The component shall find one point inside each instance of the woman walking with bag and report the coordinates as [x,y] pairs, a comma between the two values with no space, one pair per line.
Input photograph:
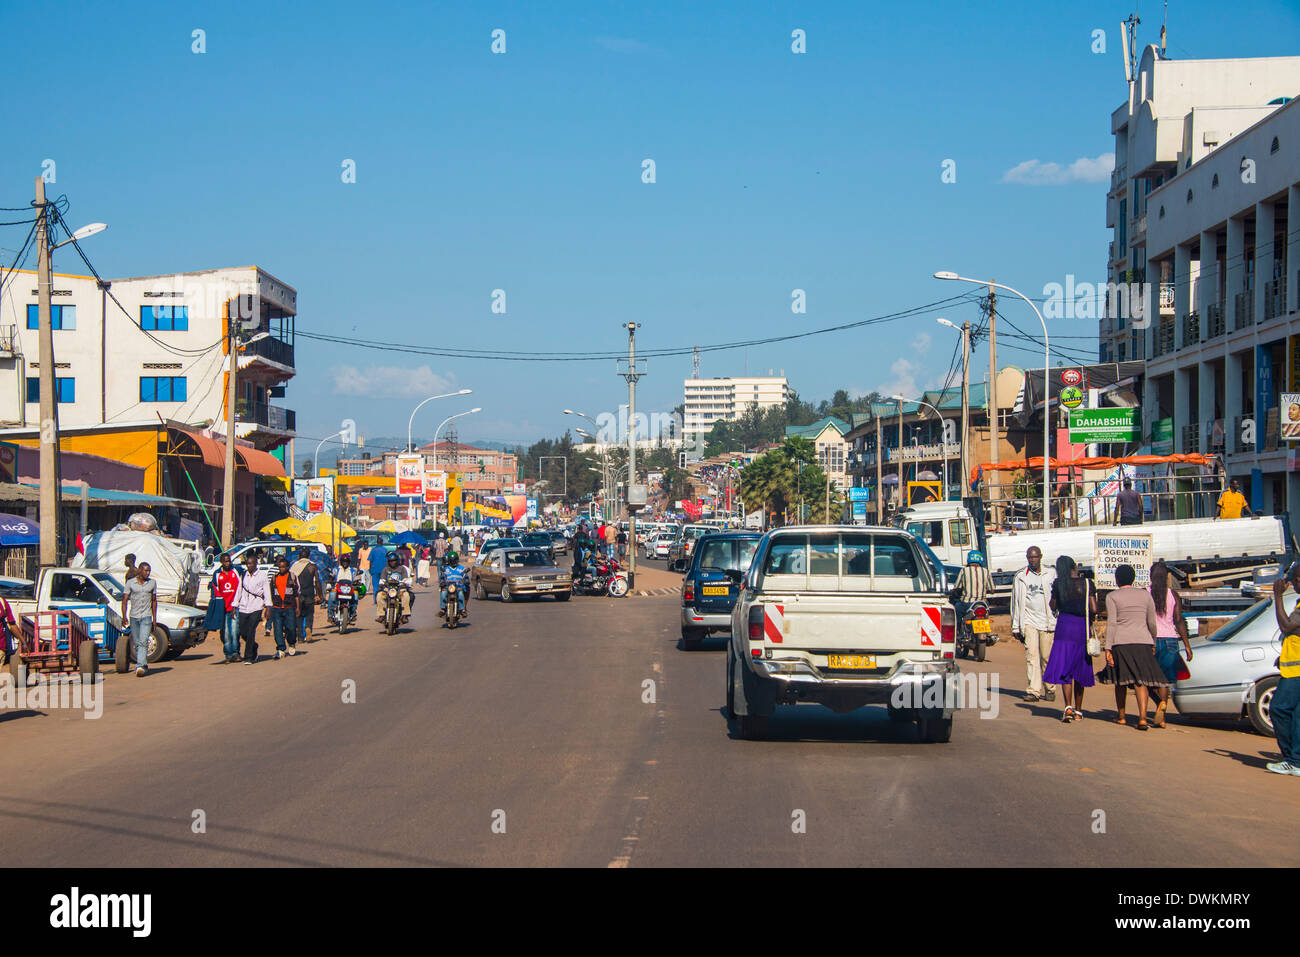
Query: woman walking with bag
[1075,605]
[1131,630]
[1171,627]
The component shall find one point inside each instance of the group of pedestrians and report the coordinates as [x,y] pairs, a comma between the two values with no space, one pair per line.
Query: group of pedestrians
[1054,611]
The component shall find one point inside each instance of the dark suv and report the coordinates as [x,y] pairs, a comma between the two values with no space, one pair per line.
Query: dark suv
[718,562]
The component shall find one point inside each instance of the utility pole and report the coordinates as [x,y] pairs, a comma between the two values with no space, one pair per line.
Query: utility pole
[991,393]
[901,492]
[880,486]
[228,489]
[51,480]
[965,408]
[631,375]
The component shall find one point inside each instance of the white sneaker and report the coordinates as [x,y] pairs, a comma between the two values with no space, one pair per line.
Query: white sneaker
[278,655]
[292,651]
[1283,767]
[139,673]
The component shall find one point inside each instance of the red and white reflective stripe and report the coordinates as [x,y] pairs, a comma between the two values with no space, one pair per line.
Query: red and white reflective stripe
[931,634]
[774,623]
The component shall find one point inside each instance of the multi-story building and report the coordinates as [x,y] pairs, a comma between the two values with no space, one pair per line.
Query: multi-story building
[711,400]
[1225,228]
[827,435]
[366,465]
[1177,113]
[162,353]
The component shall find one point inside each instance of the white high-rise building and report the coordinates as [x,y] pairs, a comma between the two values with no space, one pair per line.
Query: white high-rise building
[710,400]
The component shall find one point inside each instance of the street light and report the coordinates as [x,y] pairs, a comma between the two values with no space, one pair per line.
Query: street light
[942,439]
[435,450]
[315,459]
[409,424]
[1047,363]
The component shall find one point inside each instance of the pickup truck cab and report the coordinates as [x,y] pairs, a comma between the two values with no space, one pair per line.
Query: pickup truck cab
[679,552]
[177,627]
[843,616]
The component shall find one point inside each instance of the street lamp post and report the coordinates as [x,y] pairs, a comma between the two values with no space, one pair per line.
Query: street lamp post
[411,422]
[604,458]
[435,454]
[942,439]
[1047,363]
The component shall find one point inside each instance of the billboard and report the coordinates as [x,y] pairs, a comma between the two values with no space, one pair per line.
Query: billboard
[410,475]
[1105,426]
[314,496]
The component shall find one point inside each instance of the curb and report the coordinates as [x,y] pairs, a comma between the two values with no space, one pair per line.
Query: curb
[656,593]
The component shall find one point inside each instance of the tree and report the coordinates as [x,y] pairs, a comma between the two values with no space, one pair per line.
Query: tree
[781,480]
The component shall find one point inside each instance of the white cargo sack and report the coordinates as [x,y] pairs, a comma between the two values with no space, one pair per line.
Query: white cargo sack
[175,569]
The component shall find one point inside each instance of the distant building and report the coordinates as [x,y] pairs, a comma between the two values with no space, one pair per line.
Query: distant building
[482,470]
[827,435]
[711,400]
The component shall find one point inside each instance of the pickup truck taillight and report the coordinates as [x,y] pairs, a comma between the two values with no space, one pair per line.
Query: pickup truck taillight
[756,623]
[948,630]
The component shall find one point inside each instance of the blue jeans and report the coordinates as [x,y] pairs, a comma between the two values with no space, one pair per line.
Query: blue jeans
[230,634]
[140,629]
[306,620]
[1286,698]
[464,597]
[283,621]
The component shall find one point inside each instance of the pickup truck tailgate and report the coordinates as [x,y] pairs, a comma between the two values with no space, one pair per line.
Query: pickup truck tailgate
[874,624]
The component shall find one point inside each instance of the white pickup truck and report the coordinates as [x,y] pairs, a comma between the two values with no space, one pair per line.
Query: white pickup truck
[843,616]
[1210,551]
[177,627]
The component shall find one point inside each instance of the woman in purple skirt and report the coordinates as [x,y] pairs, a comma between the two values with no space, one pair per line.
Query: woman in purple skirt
[1075,607]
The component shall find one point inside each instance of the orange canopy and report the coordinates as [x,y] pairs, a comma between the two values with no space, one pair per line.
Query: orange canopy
[1099,462]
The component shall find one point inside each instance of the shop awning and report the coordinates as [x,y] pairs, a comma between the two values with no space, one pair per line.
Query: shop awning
[212,451]
[259,462]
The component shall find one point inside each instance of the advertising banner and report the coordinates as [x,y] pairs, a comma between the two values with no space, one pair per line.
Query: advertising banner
[1162,437]
[531,509]
[1289,404]
[1112,549]
[435,488]
[410,475]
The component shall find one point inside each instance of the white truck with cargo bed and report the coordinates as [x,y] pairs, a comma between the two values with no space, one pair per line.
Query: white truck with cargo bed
[843,616]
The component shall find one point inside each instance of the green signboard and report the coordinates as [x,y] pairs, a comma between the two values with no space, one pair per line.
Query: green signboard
[1162,437]
[1105,426]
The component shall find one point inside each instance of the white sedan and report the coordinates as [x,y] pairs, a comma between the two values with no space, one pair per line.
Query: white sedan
[656,545]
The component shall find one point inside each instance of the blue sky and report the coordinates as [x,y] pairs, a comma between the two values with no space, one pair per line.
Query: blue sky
[522,172]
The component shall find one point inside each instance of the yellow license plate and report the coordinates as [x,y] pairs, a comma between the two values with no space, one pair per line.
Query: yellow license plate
[715,590]
[853,661]
[981,626]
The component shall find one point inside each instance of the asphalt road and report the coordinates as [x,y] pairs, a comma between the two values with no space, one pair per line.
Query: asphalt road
[528,738]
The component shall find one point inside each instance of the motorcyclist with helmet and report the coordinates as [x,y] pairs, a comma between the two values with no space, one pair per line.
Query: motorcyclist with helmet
[453,572]
[973,584]
[395,572]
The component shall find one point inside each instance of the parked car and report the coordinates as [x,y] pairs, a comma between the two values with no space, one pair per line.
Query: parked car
[679,552]
[559,542]
[843,616]
[1233,672]
[517,572]
[708,595]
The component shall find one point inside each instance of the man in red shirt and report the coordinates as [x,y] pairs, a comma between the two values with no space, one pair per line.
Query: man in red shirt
[225,586]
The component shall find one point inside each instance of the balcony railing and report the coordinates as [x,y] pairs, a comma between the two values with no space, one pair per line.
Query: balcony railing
[1191,438]
[8,340]
[1214,435]
[1167,297]
[1245,302]
[271,416]
[1164,340]
[1275,298]
[1214,313]
[1238,443]
[1118,176]
[1191,329]
[277,350]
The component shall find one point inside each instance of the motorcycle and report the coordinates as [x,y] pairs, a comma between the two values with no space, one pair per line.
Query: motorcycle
[453,605]
[345,605]
[392,594]
[976,632]
[602,576]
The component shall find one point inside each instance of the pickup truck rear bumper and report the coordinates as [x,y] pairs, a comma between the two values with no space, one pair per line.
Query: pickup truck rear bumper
[909,682]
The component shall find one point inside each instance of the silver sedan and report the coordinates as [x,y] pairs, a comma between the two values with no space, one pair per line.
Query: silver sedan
[1233,672]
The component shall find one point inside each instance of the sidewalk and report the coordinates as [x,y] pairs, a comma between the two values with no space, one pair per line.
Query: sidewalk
[653,579]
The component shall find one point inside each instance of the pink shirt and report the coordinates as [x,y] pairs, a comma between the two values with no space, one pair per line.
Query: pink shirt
[1165,625]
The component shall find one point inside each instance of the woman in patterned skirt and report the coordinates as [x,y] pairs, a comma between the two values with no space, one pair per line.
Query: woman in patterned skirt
[1131,630]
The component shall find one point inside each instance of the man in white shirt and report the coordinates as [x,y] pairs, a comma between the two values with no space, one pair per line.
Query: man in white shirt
[252,602]
[1032,620]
